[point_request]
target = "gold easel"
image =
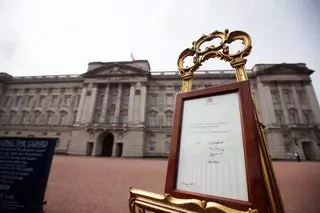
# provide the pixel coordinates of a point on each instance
(142, 201)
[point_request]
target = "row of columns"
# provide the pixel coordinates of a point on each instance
(267, 108)
(136, 108)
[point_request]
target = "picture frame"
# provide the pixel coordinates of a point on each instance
(214, 153)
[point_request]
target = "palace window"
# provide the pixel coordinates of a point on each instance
(152, 118)
(41, 100)
(49, 118)
(25, 115)
(2, 117)
(152, 146)
(28, 100)
(287, 96)
(124, 117)
(62, 117)
(275, 97)
(301, 96)
(168, 118)
(66, 100)
(153, 100)
(17, 101)
(169, 100)
(54, 100)
(74, 117)
(279, 116)
(293, 116)
(36, 119)
(307, 116)
(97, 115)
(5, 101)
(12, 117)
(110, 117)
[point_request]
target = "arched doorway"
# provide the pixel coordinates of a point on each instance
(107, 145)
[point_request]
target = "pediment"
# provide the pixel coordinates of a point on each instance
(286, 69)
(114, 69)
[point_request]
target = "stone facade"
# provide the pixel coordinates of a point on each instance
(123, 109)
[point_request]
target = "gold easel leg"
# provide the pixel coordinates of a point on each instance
(272, 188)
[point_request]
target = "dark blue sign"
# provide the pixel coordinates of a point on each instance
(24, 170)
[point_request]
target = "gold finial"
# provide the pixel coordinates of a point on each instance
(237, 60)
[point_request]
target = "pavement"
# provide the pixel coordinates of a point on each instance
(100, 185)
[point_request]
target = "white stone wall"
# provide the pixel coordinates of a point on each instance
(79, 126)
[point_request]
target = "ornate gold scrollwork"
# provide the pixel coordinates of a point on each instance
(146, 202)
(237, 60)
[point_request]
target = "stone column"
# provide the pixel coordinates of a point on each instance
(283, 106)
(136, 103)
(131, 103)
(81, 104)
(313, 103)
(105, 105)
(265, 104)
(93, 102)
(296, 103)
(118, 104)
(143, 101)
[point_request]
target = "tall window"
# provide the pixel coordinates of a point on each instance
(41, 100)
(169, 100)
(5, 101)
(287, 96)
(2, 117)
(97, 115)
(152, 118)
(307, 116)
(74, 117)
(124, 117)
(17, 101)
(275, 97)
(11, 117)
(28, 100)
(152, 146)
(301, 96)
(153, 100)
(293, 116)
(54, 100)
(279, 116)
(62, 117)
(49, 117)
(66, 100)
(110, 117)
(25, 115)
(36, 119)
(168, 118)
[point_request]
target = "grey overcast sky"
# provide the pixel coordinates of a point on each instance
(44, 37)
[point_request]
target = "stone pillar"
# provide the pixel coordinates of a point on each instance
(93, 102)
(265, 104)
(283, 106)
(105, 105)
(296, 103)
(136, 103)
(81, 104)
(118, 104)
(313, 103)
(131, 103)
(143, 102)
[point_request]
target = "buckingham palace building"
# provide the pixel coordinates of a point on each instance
(124, 109)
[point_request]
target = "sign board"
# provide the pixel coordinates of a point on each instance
(24, 169)
(214, 148)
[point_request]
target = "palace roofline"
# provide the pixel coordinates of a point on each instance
(257, 68)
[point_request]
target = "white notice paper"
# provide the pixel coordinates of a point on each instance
(211, 160)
